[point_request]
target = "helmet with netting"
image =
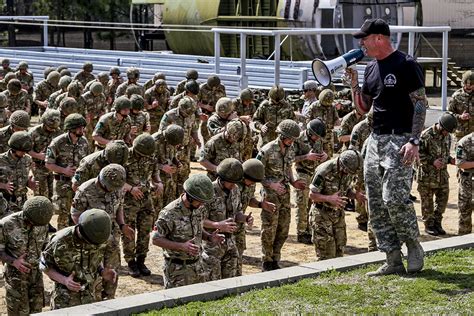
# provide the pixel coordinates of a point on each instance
(114, 70)
(75, 88)
(144, 144)
(88, 67)
(9, 77)
(65, 72)
(53, 78)
(61, 68)
(116, 152)
(254, 170)
(51, 118)
(64, 82)
(103, 77)
(121, 103)
(133, 73)
(97, 88)
(137, 102)
(47, 71)
(246, 95)
(230, 170)
(224, 107)
(20, 119)
(22, 65)
(73, 121)
(326, 97)
(174, 134)
(288, 129)
(68, 106)
(133, 89)
(14, 86)
(20, 141)
(112, 177)
(199, 187)
(95, 226)
(276, 93)
(159, 75)
(236, 129)
(213, 81)
(192, 86)
(186, 106)
(38, 210)
(351, 160)
(5, 61)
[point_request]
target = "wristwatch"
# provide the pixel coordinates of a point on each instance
(414, 141)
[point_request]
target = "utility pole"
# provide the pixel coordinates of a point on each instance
(11, 27)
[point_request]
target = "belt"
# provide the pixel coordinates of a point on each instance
(62, 178)
(180, 261)
(388, 131)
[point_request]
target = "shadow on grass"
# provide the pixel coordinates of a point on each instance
(465, 281)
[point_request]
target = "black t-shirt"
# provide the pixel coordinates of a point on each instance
(389, 82)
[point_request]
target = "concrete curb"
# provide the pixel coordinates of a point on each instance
(221, 288)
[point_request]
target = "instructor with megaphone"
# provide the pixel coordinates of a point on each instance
(393, 90)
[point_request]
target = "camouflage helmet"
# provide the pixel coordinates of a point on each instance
(103, 77)
(199, 187)
(87, 66)
(112, 177)
(95, 226)
(160, 83)
(3, 100)
(73, 121)
(133, 73)
(9, 77)
(133, 89)
(61, 68)
(236, 130)
(20, 141)
(64, 82)
(96, 88)
(230, 170)
(116, 152)
(351, 160)
(186, 107)
(276, 93)
(75, 88)
(5, 61)
(159, 75)
(448, 121)
(65, 72)
(254, 170)
(121, 103)
(144, 144)
(344, 93)
(224, 107)
(288, 129)
(174, 134)
(468, 77)
(22, 65)
(326, 97)
(310, 85)
(137, 102)
(38, 210)
(14, 86)
(246, 95)
(68, 106)
(316, 127)
(213, 81)
(53, 78)
(20, 119)
(192, 74)
(47, 71)
(114, 70)
(3, 204)
(192, 86)
(51, 118)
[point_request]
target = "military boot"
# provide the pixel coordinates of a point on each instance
(142, 267)
(305, 238)
(430, 228)
(394, 265)
(275, 265)
(133, 269)
(415, 256)
(267, 266)
(439, 228)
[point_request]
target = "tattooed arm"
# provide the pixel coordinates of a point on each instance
(362, 101)
(420, 103)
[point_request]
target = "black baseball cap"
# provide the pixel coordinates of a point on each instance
(373, 26)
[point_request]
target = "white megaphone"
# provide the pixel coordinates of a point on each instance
(323, 70)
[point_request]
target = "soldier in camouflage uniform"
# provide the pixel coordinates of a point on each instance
(223, 214)
(209, 93)
(245, 108)
(433, 177)
(3, 111)
(62, 157)
(183, 116)
(270, 113)
(5, 68)
(224, 114)
(309, 154)
(67, 107)
(103, 79)
(309, 97)
(19, 121)
(133, 75)
(112, 86)
(157, 99)
(105, 193)
(150, 83)
(278, 157)
(324, 109)
(74, 279)
(85, 75)
(15, 167)
(22, 237)
(191, 74)
(330, 190)
(26, 79)
(74, 90)
(4, 83)
(17, 98)
(347, 124)
(94, 101)
(114, 125)
(140, 120)
(191, 90)
(462, 106)
(41, 137)
(223, 145)
(62, 86)
(44, 89)
(465, 163)
(179, 231)
(343, 102)
(143, 179)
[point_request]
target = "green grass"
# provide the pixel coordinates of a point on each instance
(445, 286)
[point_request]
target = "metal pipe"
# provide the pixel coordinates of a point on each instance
(444, 73)
(277, 59)
(217, 52)
(243, 61)
(411, 43)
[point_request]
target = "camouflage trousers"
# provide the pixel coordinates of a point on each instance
(247, 146)
(15, 202)
(180, 274)
(62, 200)
(388, 186)
(329, 231)
(62, 297)
(104, 289)
(303, 205)
(45, 180)
(220, 261)
(169, 189)
(139, 215)
(432, 212)
(204, 132)
(465, 203)
(328, 143)
(184, 156)
(88, 134)
(275, 226)
(24, 293)
(241, 244)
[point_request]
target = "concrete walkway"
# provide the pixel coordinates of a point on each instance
(218, 289)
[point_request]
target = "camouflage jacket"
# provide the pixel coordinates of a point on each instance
(17, 238)
(180, 87)
(218, 148)
(43, 90)
(242, 110)
(80, 106)
(87, 87)
(360, 133)
(41, 138)
(67, 253)
(271, 114)
(110, 128)
(4, 71)
(179, 224)
(465, 150)
(302, 146)
(187, 123)
(89, 167)
(15, 170)
(122, 88)
(112, 87)
(433, 145)
(163, 100)
(27, 80)
(20, 101)
(277, 165)
(5, 134)
(348, 123)
(140, 170)
(216, 124)
(326, 113)
(95, 106)
(462, 102)
(141, 121)
(62, 152)
(208, 95)
(52, 104)
(90, 195)
(246, 194)
(84, 77)
(165, 154)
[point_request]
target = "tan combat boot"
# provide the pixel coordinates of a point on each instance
(394, 265)
(415, 256)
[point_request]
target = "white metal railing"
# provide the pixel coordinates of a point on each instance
(411, 30)
(43, 18)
